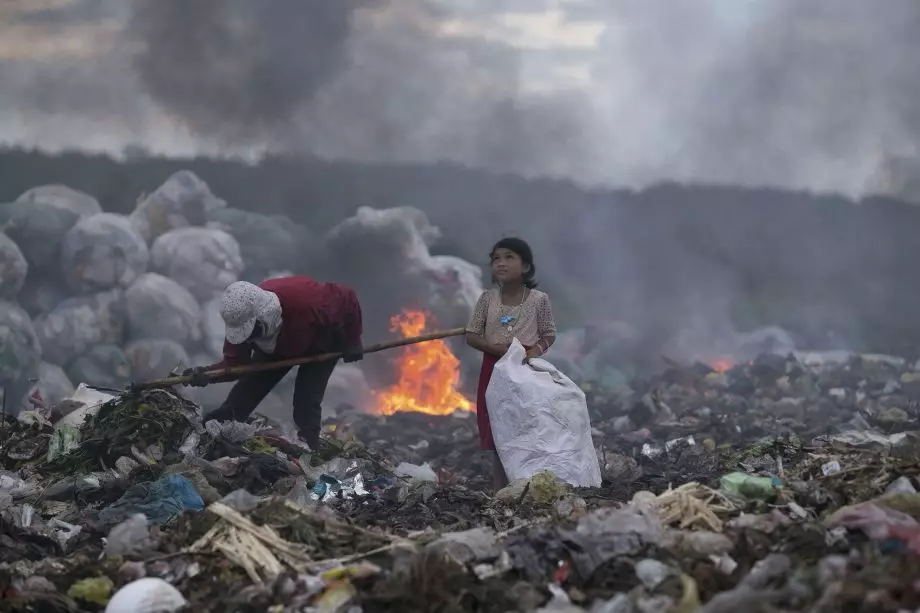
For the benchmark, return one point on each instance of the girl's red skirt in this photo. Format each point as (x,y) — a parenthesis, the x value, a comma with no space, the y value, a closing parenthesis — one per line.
(482,411)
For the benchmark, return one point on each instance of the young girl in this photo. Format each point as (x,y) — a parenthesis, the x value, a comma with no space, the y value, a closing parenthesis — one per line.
(514,309)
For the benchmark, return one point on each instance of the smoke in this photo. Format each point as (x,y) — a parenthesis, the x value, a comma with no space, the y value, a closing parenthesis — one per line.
(764,92)
(239,69)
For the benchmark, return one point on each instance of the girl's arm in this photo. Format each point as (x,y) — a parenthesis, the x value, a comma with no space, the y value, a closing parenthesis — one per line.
(476,329)
(546,328)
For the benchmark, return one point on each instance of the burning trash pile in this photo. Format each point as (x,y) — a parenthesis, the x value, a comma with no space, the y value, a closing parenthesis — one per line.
(787,483)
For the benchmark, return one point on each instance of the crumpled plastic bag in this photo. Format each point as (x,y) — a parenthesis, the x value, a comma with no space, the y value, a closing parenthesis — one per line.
(540,421)
(230,431)
(20,354)
(183,200)
(160,501)
(419,473)
(103,366)
(38,228)
(103,252)
(13,268)
(202,260)
(80,323)
(158,307)
(879,523)
(62,197)
(131,536)
(155,358)
(267,243)
(241,501)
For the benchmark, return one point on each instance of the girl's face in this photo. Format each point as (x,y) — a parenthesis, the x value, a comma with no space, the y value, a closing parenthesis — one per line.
(507,266)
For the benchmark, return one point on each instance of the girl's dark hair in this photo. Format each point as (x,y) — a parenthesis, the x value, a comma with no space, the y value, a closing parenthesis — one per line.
(520,248)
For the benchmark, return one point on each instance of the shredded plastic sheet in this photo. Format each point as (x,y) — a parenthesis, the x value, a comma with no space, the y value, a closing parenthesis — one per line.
(540,421)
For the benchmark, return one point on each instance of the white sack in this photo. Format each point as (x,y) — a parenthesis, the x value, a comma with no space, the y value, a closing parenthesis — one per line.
(540,421)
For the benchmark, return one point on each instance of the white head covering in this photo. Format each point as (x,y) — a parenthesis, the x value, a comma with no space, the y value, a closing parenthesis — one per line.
(242,305)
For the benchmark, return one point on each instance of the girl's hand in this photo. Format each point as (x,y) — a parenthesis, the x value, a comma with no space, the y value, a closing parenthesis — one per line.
(532,353)
(501,349)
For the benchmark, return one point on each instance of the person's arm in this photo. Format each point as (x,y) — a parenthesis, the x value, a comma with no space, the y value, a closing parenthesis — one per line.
(546,328)
(234,355)
(476,329)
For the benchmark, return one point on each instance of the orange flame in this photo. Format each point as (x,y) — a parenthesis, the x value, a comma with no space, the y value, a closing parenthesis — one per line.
(429,373)
(721,365)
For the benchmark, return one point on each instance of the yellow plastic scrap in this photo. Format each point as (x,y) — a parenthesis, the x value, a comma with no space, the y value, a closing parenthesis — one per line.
(690,601)
(336,597)
(546,488)
(96,590)
(353,571)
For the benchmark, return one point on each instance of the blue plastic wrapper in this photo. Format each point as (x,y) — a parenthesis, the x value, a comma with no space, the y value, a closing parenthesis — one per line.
(159,501)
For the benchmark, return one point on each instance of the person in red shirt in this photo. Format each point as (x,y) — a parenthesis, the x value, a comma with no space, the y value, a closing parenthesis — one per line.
(281,319)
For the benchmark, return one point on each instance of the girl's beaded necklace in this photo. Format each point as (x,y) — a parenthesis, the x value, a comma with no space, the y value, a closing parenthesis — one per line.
(508,319)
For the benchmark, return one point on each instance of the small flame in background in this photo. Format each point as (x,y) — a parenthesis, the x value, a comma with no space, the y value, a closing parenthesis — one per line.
(721,365)
(429,373)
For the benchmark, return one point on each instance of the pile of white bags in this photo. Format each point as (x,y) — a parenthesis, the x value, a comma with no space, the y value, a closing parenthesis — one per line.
(540,421)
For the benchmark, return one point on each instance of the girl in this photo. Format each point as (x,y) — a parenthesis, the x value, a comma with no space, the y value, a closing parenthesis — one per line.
(514,309)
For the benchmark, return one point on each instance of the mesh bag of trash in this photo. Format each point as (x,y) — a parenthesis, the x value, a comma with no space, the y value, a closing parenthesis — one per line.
(266,243)
(38,228)
(13,268)
(158,307)
(79,323)
(540,422)
(103,366)
(53,385)
(156,358)
(63,197)
(103,252)
(41,294)
(20,354)
(202,260)
(183,200)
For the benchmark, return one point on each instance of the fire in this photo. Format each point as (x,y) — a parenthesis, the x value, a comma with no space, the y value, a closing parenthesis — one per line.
(721,365)
(429,373)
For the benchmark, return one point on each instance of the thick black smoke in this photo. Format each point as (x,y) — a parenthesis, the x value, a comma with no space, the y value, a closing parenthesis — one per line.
(235,68)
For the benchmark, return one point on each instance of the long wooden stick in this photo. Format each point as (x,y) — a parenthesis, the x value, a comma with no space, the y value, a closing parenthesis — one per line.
(235,372)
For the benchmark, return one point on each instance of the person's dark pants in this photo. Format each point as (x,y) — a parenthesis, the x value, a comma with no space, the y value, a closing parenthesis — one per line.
(309,389)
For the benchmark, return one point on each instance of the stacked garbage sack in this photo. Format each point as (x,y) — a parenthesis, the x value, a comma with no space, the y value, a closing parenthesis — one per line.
(788,483)
(103,299)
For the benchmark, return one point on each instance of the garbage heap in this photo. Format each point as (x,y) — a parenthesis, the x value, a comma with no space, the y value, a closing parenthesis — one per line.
(786,484)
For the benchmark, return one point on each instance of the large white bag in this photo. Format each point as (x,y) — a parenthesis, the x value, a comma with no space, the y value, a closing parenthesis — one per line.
(540,421)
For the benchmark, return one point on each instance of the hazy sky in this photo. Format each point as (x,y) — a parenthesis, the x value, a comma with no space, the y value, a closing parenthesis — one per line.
(799,93)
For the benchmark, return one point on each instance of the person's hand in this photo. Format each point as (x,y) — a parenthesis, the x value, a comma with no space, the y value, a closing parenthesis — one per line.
(198,378)
(353,354)
(532,353)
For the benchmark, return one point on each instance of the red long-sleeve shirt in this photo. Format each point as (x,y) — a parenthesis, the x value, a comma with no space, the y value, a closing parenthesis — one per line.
(315,318)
